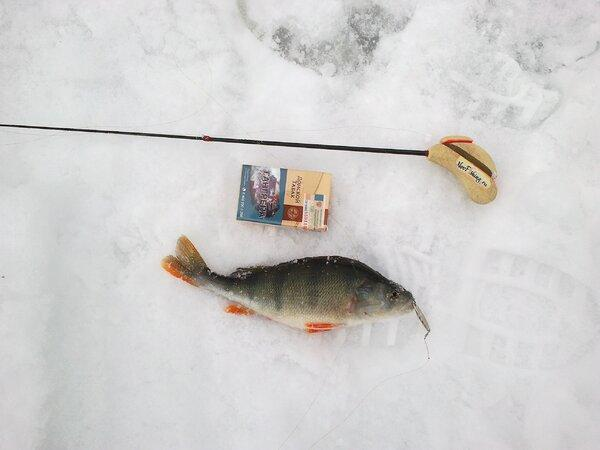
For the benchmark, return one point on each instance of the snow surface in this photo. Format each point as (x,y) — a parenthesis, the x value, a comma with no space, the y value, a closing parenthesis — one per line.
(100,348)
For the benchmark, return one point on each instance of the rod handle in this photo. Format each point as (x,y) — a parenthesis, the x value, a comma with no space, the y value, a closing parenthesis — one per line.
(469,163)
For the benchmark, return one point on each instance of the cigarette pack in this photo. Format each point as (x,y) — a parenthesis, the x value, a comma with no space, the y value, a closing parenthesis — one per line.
(288,197)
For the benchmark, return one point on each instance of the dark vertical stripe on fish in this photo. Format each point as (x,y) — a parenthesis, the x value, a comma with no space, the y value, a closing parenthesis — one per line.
(315,274)
(278,279)
(350,277)
(251,285)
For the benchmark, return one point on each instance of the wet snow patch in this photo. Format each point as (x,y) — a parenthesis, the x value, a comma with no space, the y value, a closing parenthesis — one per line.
(331,39)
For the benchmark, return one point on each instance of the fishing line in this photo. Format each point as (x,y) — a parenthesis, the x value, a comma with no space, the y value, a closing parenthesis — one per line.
(426,345)
(316,396)
(364,397)
(206,94)
(346,127)
(327,377)
(424,322)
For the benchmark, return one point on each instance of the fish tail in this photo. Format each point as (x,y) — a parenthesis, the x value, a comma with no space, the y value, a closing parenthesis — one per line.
(187,263)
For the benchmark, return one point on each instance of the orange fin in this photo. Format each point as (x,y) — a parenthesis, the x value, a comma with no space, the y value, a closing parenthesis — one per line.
(175,268)
(187,263)
(239,310)
(317,327)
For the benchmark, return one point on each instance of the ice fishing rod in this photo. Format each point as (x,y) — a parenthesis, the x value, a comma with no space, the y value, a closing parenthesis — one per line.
(470,163)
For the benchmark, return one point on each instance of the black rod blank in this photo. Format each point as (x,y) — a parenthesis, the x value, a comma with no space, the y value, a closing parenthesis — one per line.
(206,138)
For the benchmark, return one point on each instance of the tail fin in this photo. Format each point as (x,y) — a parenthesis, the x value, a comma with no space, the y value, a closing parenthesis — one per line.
(187,263)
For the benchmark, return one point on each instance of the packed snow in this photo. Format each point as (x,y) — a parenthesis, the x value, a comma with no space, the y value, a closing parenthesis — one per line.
(100,348)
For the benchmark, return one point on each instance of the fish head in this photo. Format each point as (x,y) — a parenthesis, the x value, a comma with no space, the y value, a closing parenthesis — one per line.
(380,298)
